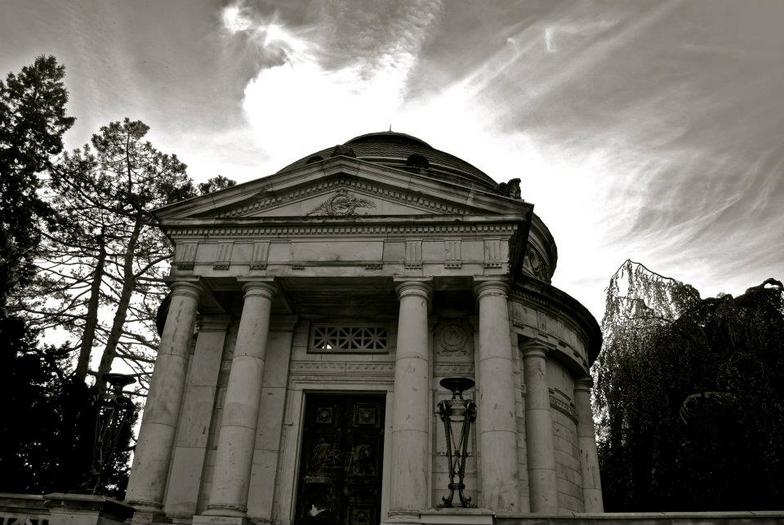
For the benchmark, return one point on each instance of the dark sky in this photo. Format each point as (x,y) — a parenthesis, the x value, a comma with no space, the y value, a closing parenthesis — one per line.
(652,130)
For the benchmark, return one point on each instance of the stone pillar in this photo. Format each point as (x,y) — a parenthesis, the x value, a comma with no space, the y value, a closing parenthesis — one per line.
(267,452)
(412,404)
(539,431)
(195,418)
(161,411)
(589,459)
(229,492)
(496,424)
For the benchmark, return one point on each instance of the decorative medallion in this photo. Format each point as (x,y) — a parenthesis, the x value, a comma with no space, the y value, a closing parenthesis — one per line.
(324,416)
(453,337)
(342,204)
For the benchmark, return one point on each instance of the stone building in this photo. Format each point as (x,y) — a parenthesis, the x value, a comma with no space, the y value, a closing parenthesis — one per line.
(313,313)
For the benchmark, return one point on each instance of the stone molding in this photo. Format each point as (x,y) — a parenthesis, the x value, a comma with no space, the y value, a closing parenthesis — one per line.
(549,300)
(367,228)
(336,368)
(564,407)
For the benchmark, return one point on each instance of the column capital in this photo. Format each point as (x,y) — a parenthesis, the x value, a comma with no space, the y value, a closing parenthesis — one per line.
(408,287)
(535,348)
(584,384)
(264,287)
(490,286)
(186,288)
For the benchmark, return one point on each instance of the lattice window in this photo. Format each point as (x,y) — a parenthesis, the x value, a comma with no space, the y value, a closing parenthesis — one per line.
(346,339)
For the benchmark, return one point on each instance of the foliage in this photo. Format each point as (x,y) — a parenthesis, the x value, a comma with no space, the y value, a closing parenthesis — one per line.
(102,272)
(217,183)
(32,122)
(693,409)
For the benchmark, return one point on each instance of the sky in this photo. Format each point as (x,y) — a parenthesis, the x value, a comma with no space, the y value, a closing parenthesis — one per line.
(649,130)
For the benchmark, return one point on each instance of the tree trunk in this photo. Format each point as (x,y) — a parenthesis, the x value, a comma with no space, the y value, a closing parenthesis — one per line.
(120,315)
(91,322)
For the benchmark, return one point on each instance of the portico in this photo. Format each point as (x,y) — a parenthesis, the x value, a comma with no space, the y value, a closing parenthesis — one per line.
(321,306)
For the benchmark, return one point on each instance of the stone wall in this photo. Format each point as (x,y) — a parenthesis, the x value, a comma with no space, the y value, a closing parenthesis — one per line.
(567,455)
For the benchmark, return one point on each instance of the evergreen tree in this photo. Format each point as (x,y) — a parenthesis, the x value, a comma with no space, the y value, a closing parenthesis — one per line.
(32,123)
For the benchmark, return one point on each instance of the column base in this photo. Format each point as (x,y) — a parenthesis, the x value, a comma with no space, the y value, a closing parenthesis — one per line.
(457,516)
(203,519)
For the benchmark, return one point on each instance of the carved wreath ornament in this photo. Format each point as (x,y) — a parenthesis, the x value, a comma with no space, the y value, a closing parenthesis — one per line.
(342,204)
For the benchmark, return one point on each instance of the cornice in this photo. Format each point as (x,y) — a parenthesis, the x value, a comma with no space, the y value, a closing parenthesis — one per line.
(367,226)
(417,190)
(565,307)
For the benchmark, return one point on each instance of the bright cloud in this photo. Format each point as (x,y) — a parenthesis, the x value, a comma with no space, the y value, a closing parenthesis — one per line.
(300,104)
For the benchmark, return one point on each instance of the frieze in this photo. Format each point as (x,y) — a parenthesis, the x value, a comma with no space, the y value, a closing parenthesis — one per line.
(185,255)
(339,229)
(493,257)
(341,367)
(323,186)
(413,256)
(568,409)
(260,255)
(223,260)
(452,255)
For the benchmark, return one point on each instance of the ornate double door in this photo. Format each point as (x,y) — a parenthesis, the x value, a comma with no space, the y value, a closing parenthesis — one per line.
(341,460)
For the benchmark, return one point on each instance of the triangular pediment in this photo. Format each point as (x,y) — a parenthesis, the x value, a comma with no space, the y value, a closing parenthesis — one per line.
(342,187)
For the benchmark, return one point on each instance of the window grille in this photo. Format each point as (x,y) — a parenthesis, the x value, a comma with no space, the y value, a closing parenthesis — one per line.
(346,339)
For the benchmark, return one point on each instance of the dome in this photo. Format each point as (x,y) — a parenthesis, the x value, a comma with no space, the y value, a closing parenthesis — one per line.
(402,151)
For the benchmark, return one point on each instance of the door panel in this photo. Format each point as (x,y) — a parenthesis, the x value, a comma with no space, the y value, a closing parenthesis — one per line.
(341,460)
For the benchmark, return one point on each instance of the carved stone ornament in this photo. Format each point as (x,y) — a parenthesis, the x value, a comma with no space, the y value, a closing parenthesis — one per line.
(342,204)
(535,265)
(452,338)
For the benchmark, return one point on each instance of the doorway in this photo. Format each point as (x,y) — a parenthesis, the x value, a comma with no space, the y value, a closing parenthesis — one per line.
(341,460)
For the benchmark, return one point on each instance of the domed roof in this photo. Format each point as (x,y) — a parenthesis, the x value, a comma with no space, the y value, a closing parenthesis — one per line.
(402,151)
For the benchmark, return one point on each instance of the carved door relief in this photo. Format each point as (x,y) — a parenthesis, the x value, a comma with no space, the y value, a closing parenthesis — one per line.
(341,460)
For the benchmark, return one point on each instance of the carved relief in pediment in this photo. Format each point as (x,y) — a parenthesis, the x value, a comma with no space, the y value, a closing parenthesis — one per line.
(342,204)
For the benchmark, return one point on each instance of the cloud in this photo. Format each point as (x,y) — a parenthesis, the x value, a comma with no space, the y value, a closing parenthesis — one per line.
(330,80)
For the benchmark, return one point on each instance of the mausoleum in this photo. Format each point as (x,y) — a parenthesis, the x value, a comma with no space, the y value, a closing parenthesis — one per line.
(313,314)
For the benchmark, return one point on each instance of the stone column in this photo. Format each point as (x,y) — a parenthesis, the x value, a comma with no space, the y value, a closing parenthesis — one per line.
(412,410)
(229,492)
(496,425)
(589,459)
(159,423)
(539,431)
(190,448)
